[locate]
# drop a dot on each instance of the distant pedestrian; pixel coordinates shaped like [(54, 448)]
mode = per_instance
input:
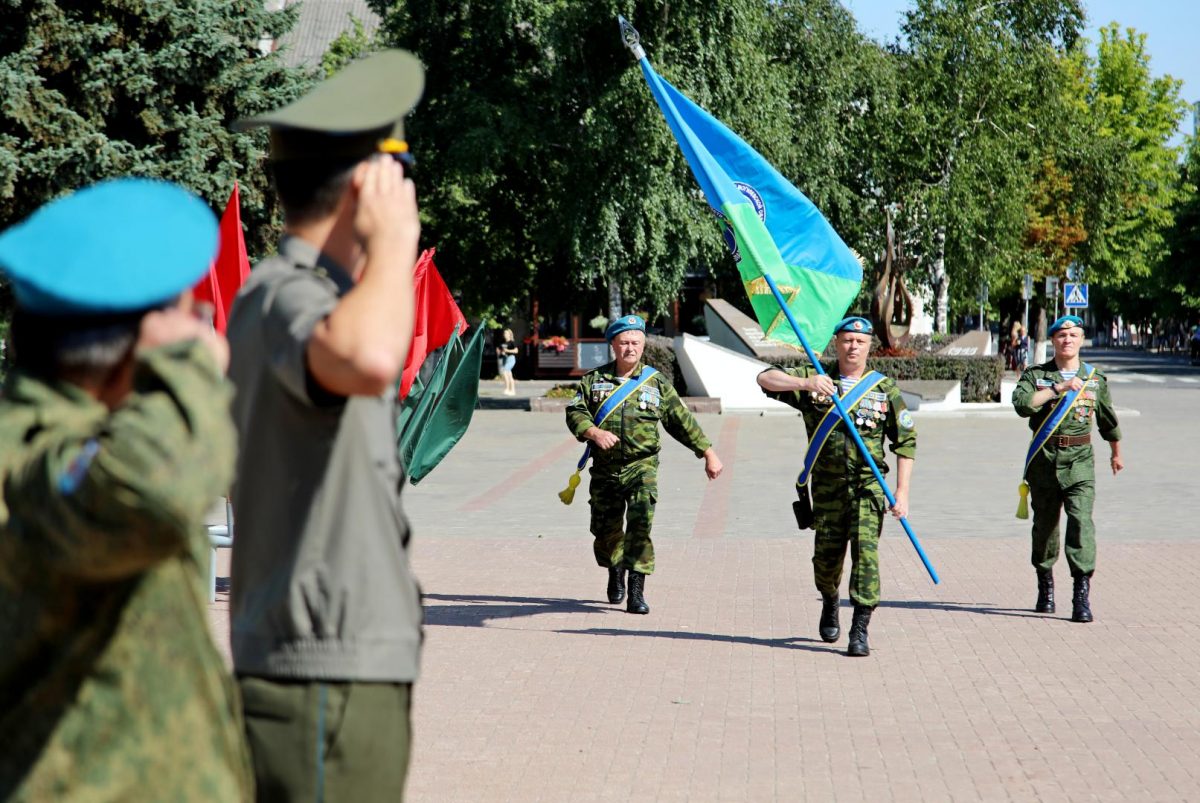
[(847, 502), (115, 440), (506, 354), (1060, 397), (617, 411)]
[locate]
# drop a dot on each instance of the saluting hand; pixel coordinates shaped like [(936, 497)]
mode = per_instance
[(386, 213), (176, 324)]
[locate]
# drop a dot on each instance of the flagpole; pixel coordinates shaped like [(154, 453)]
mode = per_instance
[(630, 38), (862, 447)]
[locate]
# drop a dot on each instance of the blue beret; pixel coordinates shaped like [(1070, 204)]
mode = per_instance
[(860, 326), (624, 324), (1066, 322), (118, 246)]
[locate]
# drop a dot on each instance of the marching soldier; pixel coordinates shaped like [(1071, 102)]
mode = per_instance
[(847, 502), (617, 411), (1060, 398), (115, 439)]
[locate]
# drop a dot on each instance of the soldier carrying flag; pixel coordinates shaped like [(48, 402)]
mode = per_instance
[(847, 503)]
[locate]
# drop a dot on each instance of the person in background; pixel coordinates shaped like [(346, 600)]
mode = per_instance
[(506, 356)]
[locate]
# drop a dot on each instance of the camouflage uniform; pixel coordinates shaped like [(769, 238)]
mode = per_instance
[(110, 685), (624, 484), (848, 504), (1061, 477)]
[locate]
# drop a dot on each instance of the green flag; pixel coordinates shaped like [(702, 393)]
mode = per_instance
[(438, 409)]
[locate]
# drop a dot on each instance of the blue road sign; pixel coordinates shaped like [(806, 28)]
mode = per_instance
[(1075, 295)]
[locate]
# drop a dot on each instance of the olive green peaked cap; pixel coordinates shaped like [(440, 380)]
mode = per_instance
[(349, 115)]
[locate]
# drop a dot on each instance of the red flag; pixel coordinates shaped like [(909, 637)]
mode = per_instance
[(231, 267), (435, 316)]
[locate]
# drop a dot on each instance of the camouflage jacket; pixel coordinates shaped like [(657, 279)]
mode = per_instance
[(110, 685), (1094, 401), (636, 422), (881, 414)]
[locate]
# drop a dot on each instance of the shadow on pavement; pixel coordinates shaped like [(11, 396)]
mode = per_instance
[(476, 610), (786, 643), (921, 605)]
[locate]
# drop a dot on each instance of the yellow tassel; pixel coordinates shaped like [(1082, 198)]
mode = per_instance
[(567, 495), (1023, 505)]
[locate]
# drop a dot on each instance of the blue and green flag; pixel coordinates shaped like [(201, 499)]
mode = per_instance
[(769, 225)]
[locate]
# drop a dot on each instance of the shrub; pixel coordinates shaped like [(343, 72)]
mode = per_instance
[(980, 376), (566, 390)]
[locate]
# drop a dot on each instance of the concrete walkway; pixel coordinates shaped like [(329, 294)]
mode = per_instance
[(534, 689)]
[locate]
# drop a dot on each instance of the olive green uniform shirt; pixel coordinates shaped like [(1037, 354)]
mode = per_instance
[(111, 688), (1094, 402), (636, 421), (881, 414), (322, 587)]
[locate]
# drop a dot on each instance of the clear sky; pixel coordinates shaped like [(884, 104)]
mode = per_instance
[(1172, 29)]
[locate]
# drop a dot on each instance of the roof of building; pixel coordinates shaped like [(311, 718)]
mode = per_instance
[(322, 21)]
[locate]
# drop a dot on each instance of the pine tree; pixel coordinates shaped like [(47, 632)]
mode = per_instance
[(104, 88)]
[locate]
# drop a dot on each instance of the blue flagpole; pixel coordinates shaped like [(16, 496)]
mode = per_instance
[(862, 447)]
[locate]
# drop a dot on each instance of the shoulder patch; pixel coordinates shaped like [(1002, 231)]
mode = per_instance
[(70, 480), (906, 419)]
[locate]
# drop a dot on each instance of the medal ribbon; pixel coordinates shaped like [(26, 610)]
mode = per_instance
[(817, 442)]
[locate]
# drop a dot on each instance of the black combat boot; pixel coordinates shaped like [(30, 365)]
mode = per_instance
[(1081, 611), (1045, 601), (616, 584), (637, 586), (858, 632), (829, 626)]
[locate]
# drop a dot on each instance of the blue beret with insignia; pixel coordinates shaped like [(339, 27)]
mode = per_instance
[(119, 246), (1065, 322), (624, 324), (854, 324)]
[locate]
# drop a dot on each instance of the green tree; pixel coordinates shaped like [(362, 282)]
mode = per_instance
[(1181, 268), (548, 165), (975, 77), (1134, 115), (110, 88)]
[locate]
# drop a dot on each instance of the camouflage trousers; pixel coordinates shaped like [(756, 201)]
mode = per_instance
[(622, 499), (848, 514), (1063, 479)]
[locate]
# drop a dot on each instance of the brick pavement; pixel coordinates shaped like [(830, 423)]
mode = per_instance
[(533, 689)]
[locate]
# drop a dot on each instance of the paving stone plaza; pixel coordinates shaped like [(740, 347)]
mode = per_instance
[(536, 689)]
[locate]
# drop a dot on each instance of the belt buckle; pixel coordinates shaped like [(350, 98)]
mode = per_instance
[(1061, 442)]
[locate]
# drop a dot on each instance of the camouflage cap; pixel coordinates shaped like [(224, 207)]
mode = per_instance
[(349, 116)]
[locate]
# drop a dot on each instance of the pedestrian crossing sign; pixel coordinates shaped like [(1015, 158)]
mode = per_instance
[(1075, 295)]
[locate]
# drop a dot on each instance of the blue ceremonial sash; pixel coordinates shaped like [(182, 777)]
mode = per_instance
[(1056, 417), (816, 443), (615, 400)]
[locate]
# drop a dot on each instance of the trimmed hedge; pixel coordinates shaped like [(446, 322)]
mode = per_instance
[(980, 376)]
